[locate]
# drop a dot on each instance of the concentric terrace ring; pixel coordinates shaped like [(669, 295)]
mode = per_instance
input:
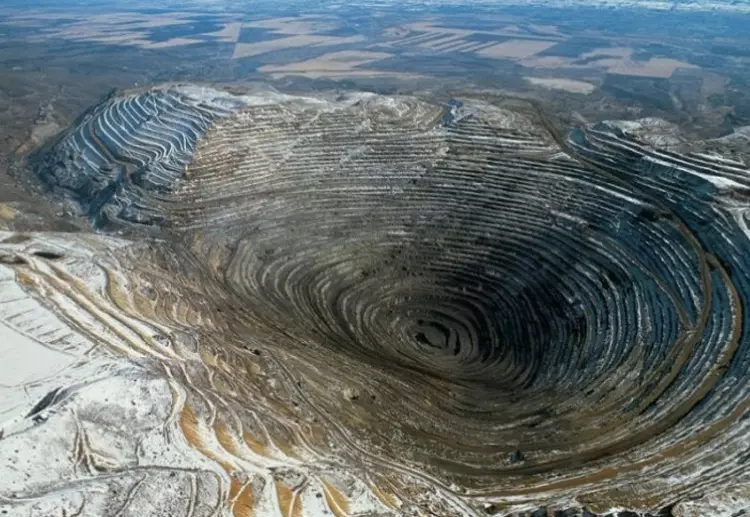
[(517, 317)]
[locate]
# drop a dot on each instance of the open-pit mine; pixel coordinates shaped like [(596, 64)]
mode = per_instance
[(348, 304)]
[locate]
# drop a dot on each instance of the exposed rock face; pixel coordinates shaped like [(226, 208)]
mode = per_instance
[(378, 305)]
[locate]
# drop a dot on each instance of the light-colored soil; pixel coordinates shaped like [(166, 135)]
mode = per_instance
[(622, 52), (513, 29), (295, 26), (119, 28), (174, 42), (6, 215), (654, 67), (516, 49), (253, 49), (547, 62), (333, 64), (31, 361), (570, 85), (437, 43), (460, 46), (546, 29), (614, 60), (230, 33)]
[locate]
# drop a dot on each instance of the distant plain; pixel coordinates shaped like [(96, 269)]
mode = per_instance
[(590, 63)]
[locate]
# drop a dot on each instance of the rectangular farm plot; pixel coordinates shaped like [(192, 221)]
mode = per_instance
[(333, 64), (253, 49), (516, 49), (655, 67)]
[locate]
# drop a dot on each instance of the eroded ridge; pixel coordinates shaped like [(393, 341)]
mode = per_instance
[(385, 305)]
